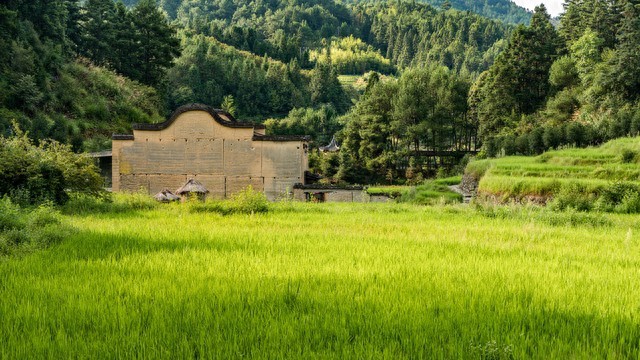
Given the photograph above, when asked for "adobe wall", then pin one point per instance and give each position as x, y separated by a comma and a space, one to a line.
224, 159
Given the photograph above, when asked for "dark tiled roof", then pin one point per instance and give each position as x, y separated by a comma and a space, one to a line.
218, 115
121, 137
332, 147
257, 137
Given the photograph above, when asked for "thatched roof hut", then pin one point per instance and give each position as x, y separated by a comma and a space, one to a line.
166, 196
192, 188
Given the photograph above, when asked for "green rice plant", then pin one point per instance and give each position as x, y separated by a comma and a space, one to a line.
431, 192
25, 230
581, 179
329, 281
246, 201
451, 180
390, 191
249, 201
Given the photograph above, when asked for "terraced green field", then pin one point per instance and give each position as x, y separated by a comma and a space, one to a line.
607, 174
329, 281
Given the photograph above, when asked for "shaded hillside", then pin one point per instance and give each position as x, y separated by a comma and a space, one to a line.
209, 70
48, 93
406, 33
85, 104
504, 10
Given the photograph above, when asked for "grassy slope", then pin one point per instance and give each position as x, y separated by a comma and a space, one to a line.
591, 170
430, 192
329, 280
89, 103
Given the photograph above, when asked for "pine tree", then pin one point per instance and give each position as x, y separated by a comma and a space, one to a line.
156, 44
98, 33
627, 66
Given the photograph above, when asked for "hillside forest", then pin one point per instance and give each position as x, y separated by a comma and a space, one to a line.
428, 78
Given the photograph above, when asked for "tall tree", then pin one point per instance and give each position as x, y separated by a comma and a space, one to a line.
325, 86
98, 33
627, 60
517, 83
156, 44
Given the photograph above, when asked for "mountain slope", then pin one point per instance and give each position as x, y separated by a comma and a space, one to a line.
504, 10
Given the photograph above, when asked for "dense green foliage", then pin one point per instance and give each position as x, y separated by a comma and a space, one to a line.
404, 32
390, 131
50, 94
32, 174
506, 11
23, 231
517, 83
411, 34
542, 93
429, 192
137, 42
603, 178
252, 52
320, 123
353, 56
330, 281
209, 70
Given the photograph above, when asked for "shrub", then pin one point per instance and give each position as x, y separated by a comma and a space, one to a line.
630, 203
628, 155
10, 217
536, 143
22, 230
111, 203
246, 201
432, 192
33, 174
133, 202
552, 137
84, 204
575, 134
573, 196
249, 201
615, 193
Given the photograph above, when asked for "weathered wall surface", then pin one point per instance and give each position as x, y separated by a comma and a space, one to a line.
224, 159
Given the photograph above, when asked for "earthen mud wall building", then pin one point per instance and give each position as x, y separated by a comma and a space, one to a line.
212, 147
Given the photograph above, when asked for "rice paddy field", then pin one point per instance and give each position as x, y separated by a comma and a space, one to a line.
589, 172
329, 281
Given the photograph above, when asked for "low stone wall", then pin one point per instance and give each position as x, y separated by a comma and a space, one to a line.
469, 184
379, 198
329, 194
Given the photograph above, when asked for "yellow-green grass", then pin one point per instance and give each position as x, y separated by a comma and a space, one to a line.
430, 192
348, 79
329, 281
592, 170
